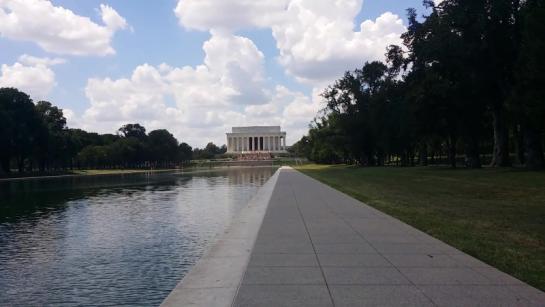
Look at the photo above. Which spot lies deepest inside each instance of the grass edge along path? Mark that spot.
(495, 215)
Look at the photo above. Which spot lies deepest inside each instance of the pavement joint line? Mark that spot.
(372, 246)
(314, 248)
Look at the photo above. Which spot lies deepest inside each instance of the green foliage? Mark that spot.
(20, 127)
(133, 130)
(469, 73)
(35, 137)
(210, 151)
(185, 152)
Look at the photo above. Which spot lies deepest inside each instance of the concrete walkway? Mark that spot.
(319, 247)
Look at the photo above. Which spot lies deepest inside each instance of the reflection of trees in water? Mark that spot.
(22, 198)
(255, 176)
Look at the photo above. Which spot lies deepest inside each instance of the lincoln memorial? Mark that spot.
(257, 138)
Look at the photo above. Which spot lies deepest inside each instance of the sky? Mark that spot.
(194, 67)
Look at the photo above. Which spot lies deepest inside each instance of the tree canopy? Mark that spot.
(468, 81)
(34, 137)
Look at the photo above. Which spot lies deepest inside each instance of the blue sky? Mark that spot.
(266, 64)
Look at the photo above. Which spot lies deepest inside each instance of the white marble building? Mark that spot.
(257, 138)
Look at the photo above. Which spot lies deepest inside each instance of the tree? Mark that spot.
(52, 139)
(528, 100)
(20, 125)
(163, 146)
(133, 130)
(185, 152)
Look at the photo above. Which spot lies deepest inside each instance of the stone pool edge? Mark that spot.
(216, 277)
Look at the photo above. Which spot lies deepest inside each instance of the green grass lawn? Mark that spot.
(496, 215)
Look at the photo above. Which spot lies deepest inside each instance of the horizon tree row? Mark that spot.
(468, 81)
(34, 137)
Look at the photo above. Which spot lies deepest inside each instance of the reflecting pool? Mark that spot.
(112, 240)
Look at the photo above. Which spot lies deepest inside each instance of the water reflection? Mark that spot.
(116, 240)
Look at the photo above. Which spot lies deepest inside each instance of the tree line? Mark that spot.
(34, 138)
(467, 86)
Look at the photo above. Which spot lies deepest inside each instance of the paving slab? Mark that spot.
(311, 245)
(283, 276)
(283, 260)
(345, 253)
(283, 295)
(353, 260)
(390, 295)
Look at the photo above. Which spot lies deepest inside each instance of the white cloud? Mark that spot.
(228, 15)
(317, 41)
(315, 38)
(112, 19)
(319, 48)
(31, 75)
(59, 30)
(228, 89)
(138, 98)
(32, 60)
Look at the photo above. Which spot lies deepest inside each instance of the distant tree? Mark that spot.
(163, 146)
(208, 152)
(133, 130)
(185, 152)
(302, 148)
(52, 139)
(20, 127)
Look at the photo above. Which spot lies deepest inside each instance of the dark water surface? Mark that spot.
(112, 240)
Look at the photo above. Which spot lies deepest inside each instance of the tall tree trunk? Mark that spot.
(472, 159)
(21, 164)
(534, 149)
(452, 152)
(500, 154)
(423, 154)
(519, 136)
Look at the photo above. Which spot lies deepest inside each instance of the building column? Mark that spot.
(284, 142)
